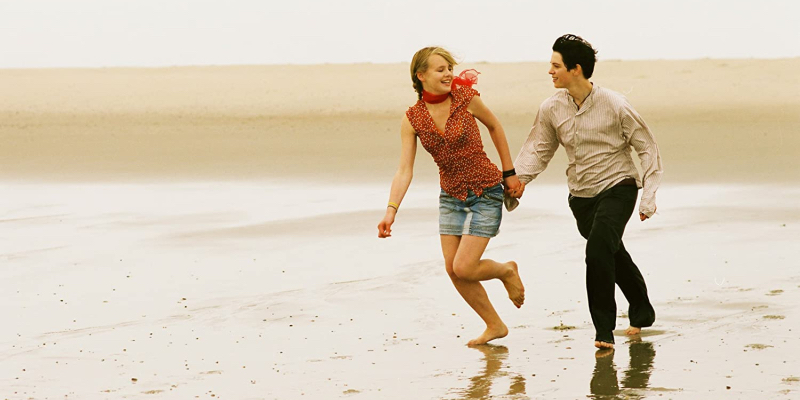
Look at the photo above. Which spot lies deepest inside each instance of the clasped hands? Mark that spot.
(514, 187)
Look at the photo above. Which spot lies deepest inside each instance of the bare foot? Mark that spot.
(604, 352)
(632, 330)
(513, 284)
(603, 345)
(489, 334)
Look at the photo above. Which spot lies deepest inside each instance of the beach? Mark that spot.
(210, 232)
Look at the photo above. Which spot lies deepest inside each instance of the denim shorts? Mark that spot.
(478, 216)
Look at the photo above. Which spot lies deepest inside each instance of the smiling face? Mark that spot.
(438, 77)
(562, 77)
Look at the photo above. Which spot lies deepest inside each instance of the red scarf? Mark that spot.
(468, 77)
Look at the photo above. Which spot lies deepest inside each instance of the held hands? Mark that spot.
(514, 187)
(385, 226)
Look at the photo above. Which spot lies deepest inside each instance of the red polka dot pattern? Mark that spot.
(463, 165)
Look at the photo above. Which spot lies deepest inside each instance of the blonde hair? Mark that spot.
(420, 64)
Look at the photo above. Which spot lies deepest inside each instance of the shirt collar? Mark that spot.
(587, 103)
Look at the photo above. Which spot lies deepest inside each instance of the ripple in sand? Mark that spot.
(758, 346)
(563, 327)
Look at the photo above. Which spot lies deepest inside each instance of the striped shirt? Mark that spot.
(597, 138)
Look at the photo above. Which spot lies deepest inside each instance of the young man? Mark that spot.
(597, 127)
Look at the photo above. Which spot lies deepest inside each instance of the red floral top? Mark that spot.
(463, 165)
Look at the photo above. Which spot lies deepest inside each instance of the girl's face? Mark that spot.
(438, 77)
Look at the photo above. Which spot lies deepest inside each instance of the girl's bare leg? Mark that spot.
(469, 266)
(466, 270)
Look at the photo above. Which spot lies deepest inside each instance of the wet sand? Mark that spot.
(191, 233)
(148, 291)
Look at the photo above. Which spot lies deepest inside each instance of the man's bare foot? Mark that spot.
(632, 330)
(513, 284)
(489, 334)
(604, 352)
(603, 345)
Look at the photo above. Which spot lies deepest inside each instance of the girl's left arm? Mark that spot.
(479, 109)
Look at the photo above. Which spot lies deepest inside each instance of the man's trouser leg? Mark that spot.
(631, 282)
(601, 220)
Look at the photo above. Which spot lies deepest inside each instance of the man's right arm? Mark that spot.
(538, 149)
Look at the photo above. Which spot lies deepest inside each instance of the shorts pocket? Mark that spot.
(447, 204)
(495, 193)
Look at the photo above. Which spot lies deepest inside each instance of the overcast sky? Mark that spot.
(98, 33)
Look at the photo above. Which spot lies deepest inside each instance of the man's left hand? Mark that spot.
(644, 217)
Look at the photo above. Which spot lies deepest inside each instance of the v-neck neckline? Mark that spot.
(449, 114)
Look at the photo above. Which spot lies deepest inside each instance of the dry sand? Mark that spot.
(713, 119)
(210, 233)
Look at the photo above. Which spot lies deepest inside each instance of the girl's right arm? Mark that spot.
(402, 179)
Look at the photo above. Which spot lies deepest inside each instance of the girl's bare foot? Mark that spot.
(632, 330)
(513, 284)
(489, 334)
(603, 345)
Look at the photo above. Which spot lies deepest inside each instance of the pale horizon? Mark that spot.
(599, 61)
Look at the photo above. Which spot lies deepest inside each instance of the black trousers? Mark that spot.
(601, 220)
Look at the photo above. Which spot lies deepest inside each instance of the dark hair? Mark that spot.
(575, 50)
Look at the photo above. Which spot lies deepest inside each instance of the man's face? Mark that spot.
(561, 76)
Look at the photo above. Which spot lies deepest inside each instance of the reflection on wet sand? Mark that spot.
(480, 385)
(604, 384)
